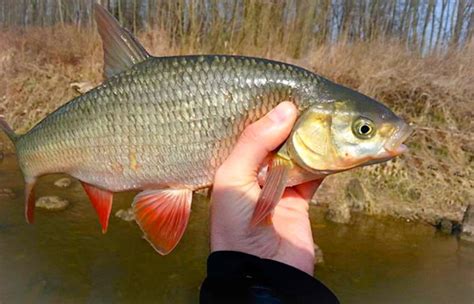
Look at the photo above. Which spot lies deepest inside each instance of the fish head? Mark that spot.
(345, 131)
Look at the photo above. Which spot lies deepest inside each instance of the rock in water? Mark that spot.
(446, 226)
(467, 232)
(7, 192)
(125, 214)
(339, 212)
(318, 255)
(63, 182)
(52, 203)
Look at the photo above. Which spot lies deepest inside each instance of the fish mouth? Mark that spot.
(394, 146)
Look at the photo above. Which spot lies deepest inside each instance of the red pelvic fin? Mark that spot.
(163, 216)
(30, 201)
(102, 202)
(272, 191)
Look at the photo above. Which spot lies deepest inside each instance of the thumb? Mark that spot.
(256, 142)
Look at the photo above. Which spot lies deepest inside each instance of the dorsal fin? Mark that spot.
(121, 49)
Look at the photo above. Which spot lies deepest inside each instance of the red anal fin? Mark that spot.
(102, 202)
(272, 191)
(30, 201)
(163, 216)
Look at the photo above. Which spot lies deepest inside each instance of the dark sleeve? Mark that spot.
(236, 277)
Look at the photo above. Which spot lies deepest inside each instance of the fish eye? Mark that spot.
(363, 128)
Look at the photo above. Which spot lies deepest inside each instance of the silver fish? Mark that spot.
(163, 125)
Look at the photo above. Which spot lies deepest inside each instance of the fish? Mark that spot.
(163, 126)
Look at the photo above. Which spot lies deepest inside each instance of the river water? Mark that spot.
(64, 257)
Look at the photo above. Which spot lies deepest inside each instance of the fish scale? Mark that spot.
(140, 127)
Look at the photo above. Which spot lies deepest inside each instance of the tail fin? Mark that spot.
(7, 129)
(30, 182)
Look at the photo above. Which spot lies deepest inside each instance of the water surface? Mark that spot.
(65, 258)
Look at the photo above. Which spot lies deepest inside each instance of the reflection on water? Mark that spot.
(65, 258)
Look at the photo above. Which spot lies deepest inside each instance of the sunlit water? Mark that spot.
(64, 258)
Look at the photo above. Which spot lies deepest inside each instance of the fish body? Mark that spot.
(163, 125)
(167, 122)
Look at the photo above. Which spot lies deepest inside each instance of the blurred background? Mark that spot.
(416, 56)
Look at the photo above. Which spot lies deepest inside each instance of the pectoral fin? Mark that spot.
(272, 191)
(102, 202)
(163, 216)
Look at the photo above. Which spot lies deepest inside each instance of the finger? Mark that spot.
(297, 198)
(257, 141)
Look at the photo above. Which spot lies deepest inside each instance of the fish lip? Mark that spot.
(386, 155)
(394, 146)
(395, 152)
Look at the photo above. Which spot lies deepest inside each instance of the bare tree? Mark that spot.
(424, 25)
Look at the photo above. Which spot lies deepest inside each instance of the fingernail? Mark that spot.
(281, 113)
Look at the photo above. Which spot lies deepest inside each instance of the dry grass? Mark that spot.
(435, 179)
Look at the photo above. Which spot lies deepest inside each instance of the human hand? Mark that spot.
(288, 239)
